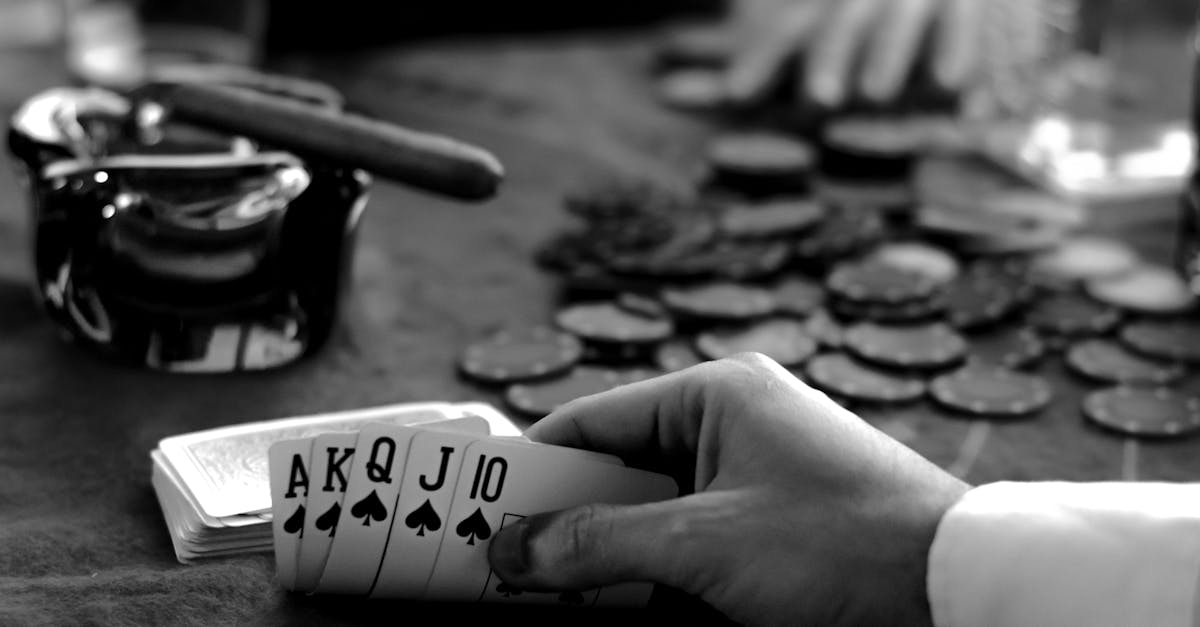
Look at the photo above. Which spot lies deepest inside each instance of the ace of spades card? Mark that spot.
(289, 491)
(502, 478)
(370, 502)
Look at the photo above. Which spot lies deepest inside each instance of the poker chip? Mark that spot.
(772, 219)
(641, 305)
(1018, 349)
(520, 355)
(873, 147)
(1108, 361)
(719, 301)
(693, 89)
(796, 296)
(783, 340)
(676, 354)
(840, 375)
(1173, 340)
(1085, 257)
(902, 313)
(878, 283)
(864, 195)
(1071, 315)
(539, 399)
(761, 162)
(608, 322)
(923, 346)
(843, 233)
(823, 328)
(991, 391)
(1145, 289)
(973, 302)
(918, 257)
(1144, 412)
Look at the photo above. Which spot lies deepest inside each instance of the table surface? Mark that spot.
(81, 535)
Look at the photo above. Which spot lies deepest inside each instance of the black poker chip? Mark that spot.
(540, 398)
(908, 312)
(1015, 348)
(676, 354)
(923, 346)
(1174, 340)
(868, 282)
(843, 233)
(761, 163)
(1071, 315)
(973, 303)
(1144, 412)
(775, 218)
(607, 322)
(783, 340)
(1108, 361)
(875, 148)
(797, 296)
(840, 375)
(991, 391)
(520, 355)
(718, 301)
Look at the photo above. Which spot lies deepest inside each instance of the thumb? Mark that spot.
(596, 545)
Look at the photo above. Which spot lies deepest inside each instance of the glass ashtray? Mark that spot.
(177, 247)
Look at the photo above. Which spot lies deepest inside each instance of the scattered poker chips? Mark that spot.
(719, 301)
(608, 322)
(1084, 257)
(541, 398)
(783, 340)
(761, 163)
(925, 346)
(1072, 315)
(520, 355)
(772, 219)
(1018, 349)
(1173, 340)
(840, 375)
(1108, 361)
(676, 354)
(1144, 412)
(991, 391)
(878, 283)
(1144, 289)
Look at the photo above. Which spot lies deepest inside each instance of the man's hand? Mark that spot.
(866, 47)
(799, 512)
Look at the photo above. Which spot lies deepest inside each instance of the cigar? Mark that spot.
(429, 162)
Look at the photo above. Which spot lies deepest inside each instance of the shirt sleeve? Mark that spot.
(1056, 553)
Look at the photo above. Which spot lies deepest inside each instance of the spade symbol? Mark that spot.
(507, 590)
(474, 526)
(424, 517)
(295, 522)
(368, 509)
(571, 597)
(328, 521)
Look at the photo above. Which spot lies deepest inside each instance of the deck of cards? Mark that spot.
(398, 501)
(213, 486)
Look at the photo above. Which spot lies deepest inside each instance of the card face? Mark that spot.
(225, 469)
(430, 476)
(328, 476)
(289, 478)
(500, 478)
(370, 501)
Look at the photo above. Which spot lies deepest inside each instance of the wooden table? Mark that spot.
(81, 535)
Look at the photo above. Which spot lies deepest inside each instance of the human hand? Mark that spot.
(832, 36)
(801, 513)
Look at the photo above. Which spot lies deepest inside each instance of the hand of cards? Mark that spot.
(390, 502)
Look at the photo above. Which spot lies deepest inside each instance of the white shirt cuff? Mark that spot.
(1097, 554)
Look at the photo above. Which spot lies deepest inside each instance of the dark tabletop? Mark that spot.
(81, 536)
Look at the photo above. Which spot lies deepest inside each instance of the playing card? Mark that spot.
(225, 469)
(504, 477)
(370, 501)
(329, 468)
(430, 474)
(289, 481)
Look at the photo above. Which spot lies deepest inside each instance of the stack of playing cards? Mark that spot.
(395, 511)
(213, 486)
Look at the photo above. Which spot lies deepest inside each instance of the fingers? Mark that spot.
(895, 46)
(831, 58)
(598, 545)
(758, 69)
(959, 37)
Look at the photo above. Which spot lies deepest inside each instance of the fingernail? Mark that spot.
(509, 551)
(826, 90)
